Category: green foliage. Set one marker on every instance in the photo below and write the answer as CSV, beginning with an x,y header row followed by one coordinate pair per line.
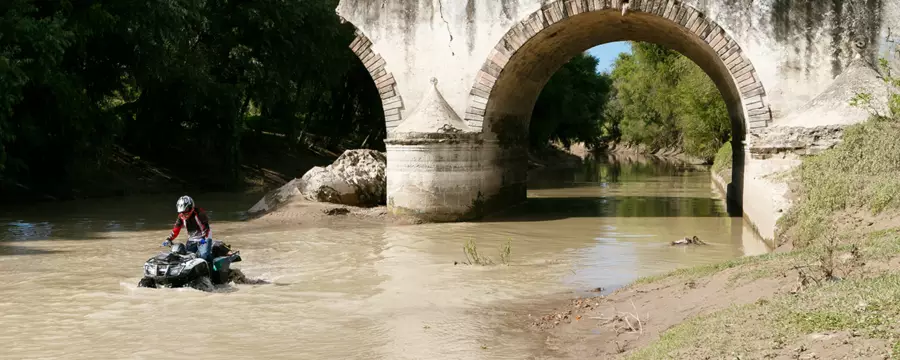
x,y
470,249
474,257
654,96
187,82
505,250
663,99
180,82
569,108
702,115
860,174
724,160
644,82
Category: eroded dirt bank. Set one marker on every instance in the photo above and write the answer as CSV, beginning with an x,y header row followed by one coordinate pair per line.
x,y
753,309
613,326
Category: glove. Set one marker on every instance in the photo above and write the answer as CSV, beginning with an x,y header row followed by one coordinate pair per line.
x,y
167,243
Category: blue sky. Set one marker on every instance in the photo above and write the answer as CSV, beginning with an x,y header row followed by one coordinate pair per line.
x,y
607,54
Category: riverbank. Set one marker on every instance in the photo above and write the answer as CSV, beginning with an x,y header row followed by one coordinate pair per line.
x,y
267,162
829,291
625,149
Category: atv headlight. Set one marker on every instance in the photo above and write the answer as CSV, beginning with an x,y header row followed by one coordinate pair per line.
x,y
176,270
149,270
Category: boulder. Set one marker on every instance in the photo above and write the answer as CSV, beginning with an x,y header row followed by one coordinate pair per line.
x,y
277,197
323,185
356,178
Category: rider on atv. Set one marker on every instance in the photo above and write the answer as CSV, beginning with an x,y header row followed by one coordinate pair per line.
x,y
197,223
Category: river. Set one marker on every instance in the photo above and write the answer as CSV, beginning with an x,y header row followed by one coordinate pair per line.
x,y
349,290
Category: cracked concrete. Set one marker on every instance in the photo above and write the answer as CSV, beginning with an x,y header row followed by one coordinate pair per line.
x,y
779,140
449,32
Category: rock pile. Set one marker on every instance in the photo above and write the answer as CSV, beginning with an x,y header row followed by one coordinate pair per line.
x,y
356,178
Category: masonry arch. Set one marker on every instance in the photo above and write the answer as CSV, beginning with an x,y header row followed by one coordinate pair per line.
x,y
511,78
391,102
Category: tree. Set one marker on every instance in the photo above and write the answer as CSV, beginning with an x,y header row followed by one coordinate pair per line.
x,y
179,82
662,99
569,108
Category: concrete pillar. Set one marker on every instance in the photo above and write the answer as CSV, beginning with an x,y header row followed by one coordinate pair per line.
x,y
439,169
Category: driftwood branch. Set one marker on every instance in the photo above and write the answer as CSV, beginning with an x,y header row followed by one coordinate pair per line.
x,y
633,321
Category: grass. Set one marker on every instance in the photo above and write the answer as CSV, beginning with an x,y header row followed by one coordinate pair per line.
x,y
505,250
866,307
474,257
697,272
861,173
723,161
881,245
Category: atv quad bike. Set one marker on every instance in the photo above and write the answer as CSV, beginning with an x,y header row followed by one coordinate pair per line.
x,y
178,268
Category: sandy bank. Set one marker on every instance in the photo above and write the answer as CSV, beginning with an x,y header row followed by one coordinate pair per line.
x,y
613,326
302,212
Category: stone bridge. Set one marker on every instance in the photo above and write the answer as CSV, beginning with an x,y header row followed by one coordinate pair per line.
x,y
459,80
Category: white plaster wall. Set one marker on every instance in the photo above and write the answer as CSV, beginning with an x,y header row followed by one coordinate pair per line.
x,y
441,181
797,70
765,197
415,53
889,41
753,34
414,37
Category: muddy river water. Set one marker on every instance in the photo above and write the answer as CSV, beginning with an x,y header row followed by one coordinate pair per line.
x,y
349,290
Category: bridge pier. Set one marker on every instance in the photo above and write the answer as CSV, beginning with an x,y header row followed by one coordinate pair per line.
x,y
440,177
439,170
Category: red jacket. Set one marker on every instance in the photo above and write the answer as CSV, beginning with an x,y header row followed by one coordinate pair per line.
x,y
197,224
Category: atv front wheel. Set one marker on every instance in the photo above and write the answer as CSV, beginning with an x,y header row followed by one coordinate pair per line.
x,y
203,283
147,283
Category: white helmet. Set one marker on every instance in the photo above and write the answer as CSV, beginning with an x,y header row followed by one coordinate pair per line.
x,y
184,203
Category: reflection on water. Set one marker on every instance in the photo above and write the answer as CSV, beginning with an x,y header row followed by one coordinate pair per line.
x,y
87,218
355,291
